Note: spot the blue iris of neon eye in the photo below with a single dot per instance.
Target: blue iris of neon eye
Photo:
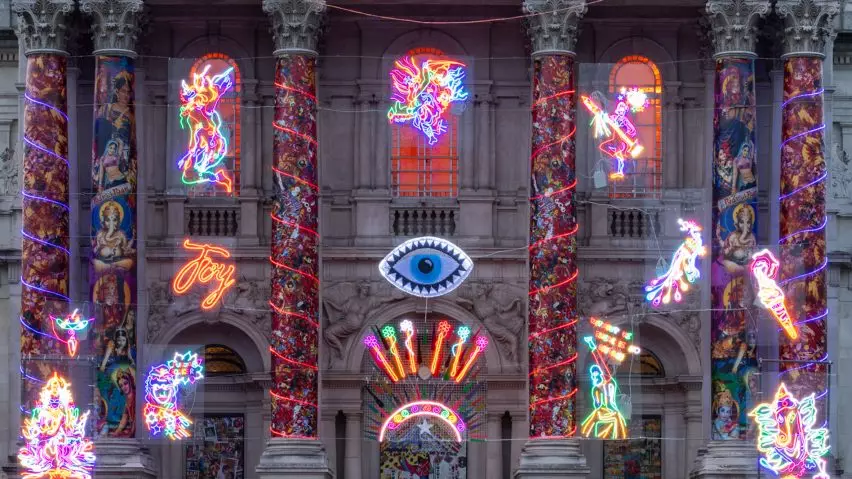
(426, 266)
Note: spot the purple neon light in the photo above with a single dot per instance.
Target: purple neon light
(41, 198)
(44, 150)
(798, 135)
(803, 95)
(808, 365)
(46, 105)
(809, 230)
(784, 197)
(36, 331)
(815, 318)
(41, 241)
(803, 275)
(31, 378)
(32, 286)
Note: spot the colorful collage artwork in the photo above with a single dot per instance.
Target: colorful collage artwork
(734, 327)
(113, 264)
(424, 450)
(222, 452)
(640, 458)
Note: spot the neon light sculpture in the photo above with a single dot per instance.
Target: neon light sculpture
(208, 144)
(614, 342)
(379, 357)
(606, 420)
(463, 332)
(55, 433)
(203, 269)
(73, 323)
(617, 127)
(444, 329)
(791, 446)
(162, 415)
(407, 327)
(422, 94)
(682, 270)
(480, 344)
(426, 267)
(764, 268)
(424, 408)
(390, 336)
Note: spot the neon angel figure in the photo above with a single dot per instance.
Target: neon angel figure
(617, 127)
(682, 270)
(605, 421)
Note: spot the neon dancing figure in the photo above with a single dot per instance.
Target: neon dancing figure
(208, 146)
(422, 94)
(162, 415)
(617, 127)
(682, 271)
(764, 267)
(605, 421)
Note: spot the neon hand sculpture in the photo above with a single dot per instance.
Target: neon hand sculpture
(73, 323)
(422, 94)
(617, 127)
(208, 145)
(682, 270)
(162, 415)
(791, 446)
(605, 421)
(55, 436)
(764, 268)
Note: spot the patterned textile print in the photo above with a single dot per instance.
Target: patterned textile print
(802, 237)
(734, 329)
(295, 283)
(112, 271)
(552, 253)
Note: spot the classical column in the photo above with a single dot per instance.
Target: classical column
(551, 452)
(295, 449)
(354, 437)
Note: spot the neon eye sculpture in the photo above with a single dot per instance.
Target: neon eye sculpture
(73, 323)
(55, 435)
(613, 341)
(162, 416)
(682, 270)
(617, 128)
(605, 421)
(791, 446)
(422, 94)
(208, 144)
(764, 268)
(426, 267)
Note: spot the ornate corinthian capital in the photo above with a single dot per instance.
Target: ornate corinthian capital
(41, 24)
(295, 24)
(733, 24)
(807, 24)
(116, 25)
(555, 26)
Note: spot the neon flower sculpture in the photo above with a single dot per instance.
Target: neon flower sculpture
(73, 323)
(614, 343)
(389, 333)
(162, 415)
(617, 127)
(422, 94)
(463, 332)
(56, 446)
(424, 408)
(682, 270)
(791, 446)
(764, 268)
(605, 421)
(480, 345)
(208, 144)
(444, 329)
(407, 327)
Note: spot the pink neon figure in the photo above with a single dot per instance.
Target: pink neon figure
(764, 267)
(682, 270)
(617, 127)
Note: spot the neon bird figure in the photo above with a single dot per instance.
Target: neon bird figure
(764, 268)
(617, 127)
(422, 94)
(161, 395)
(682, 270)
(55, 436)
(73, 323)
(791, 446)
(605, 421)
(208, 145)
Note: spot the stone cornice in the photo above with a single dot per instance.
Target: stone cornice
(808, 24)
(295, 25)
(116, 25)
(41, 25)
(733, 25)
(555, 25)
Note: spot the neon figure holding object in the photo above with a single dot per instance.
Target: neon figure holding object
(162, 415)
(208, 145)
(55, 435)
(204, 270)
(73, 323)
(617, 127)
(682, 270)
(605, 421)
(422, 94)
(764, 267)
(791, 446)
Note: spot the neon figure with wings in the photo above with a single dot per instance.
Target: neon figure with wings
(682, 270)
(617, 127)
(208, 145)
(423, 94)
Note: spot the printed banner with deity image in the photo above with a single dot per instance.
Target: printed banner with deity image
(112, 270)
(733, 330)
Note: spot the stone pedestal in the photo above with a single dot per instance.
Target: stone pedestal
(123, 459)
(552, 459)
(726, 460)
(294, 459)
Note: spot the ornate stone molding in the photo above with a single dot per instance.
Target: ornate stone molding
(116, 25)
(733, 25)
(295, 25)
(555, 26)
(808, 24)
(41, 25)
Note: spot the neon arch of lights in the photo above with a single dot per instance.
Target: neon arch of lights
(424, 408)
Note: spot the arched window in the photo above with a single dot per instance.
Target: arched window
(644, 175)
(220, 360)
(229, 110)
(646, 365)
(419, 169)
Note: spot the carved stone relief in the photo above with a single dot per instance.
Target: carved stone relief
(9, 171)
(839, 173)
(500, 308)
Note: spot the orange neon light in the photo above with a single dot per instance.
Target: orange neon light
(204, 269)
(481, 343)
(765, 268)
(443, 330)
(407, 327)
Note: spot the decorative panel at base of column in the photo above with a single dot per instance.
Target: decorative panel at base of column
(726, 460)
(552, 459)
(123, 459)
(294, 459)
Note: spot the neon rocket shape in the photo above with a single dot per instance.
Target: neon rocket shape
(422, 94)
(791, 446)
(764, 268)
(73, 323)
(605, 421)
(682, 270)
(162, 414)
(617, 127)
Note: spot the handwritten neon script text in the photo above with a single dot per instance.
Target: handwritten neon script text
(203, 269)
(764, 267)
(682, 270)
